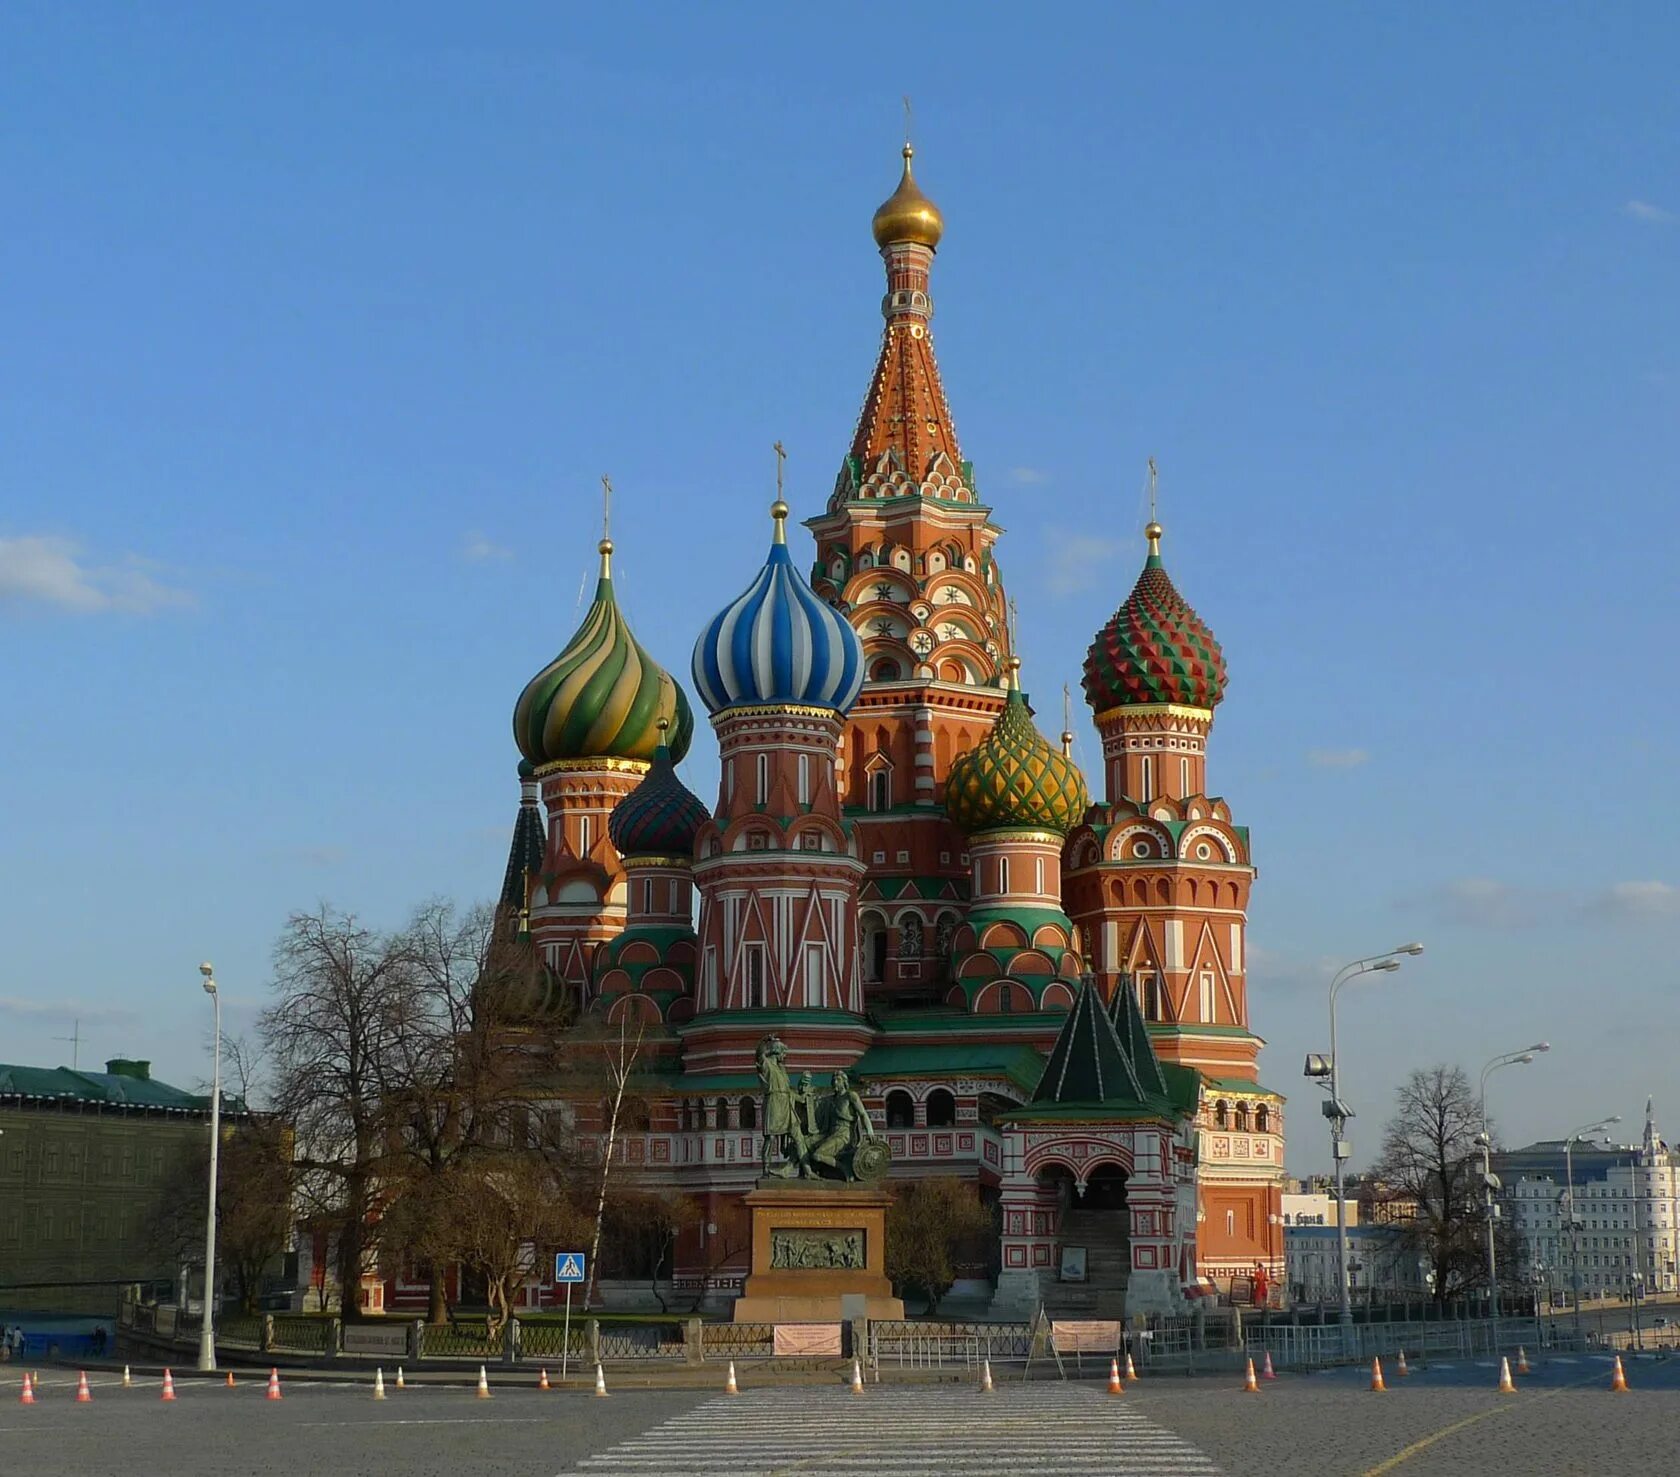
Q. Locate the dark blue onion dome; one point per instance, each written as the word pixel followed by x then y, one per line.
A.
pixel 661 816
pixel 778 644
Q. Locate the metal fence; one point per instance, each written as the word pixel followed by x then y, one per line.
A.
pixel 1316 1346
pixel 458 1341
pixel 918 1345
pixel 737 1340
pixel 546 1340
pixel 642 1341
pixel 303 1335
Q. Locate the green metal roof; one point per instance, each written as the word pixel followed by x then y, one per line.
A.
pixel 1020 1064
pixel 1241 1084
pixel 110 1089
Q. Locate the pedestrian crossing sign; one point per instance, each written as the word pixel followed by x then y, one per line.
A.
pixel 568 1266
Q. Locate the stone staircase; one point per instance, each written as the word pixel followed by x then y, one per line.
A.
pixel 1108 1264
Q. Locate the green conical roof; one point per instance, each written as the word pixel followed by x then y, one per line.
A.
pixel 1091 1066
pixel 1133 1034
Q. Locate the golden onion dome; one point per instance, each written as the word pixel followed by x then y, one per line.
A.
pixel 1012 779
pixel 907 214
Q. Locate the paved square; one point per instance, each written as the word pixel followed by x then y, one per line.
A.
pixel 826 1432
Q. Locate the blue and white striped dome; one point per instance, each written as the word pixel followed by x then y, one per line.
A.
pixel 778 643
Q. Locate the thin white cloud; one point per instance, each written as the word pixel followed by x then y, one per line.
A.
pixel 477 549
pixel 1029 476
pixel 1638 900
pixel 1484 902
pixel 1078 560
pixel 41 569
pixel 55 1010
pixel 1338 758
pixel 1652 215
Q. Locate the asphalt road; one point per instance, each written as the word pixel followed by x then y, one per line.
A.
pixel 1444 1420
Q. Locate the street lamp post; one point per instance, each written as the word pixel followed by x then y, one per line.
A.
pixel 1574 1226
pixel 207 1327
pixel 1338 1111
pixel 1519 1058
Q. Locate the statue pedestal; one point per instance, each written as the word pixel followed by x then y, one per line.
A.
pixel 819 1254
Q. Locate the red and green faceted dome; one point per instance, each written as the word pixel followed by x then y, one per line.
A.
pixel 1155 648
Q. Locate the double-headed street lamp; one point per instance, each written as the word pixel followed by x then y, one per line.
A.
pixel 207 1328
pixel 1490 1185
pixel 1569 1199
pixel 1327 1074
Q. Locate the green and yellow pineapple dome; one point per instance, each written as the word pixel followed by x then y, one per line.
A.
pixel 603 697
pixel 1013 779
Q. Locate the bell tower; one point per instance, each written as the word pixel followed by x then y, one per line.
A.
pixel 904 552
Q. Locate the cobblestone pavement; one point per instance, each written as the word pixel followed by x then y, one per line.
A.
pixel 1443 1420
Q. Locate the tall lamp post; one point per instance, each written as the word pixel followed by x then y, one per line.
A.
pixel 1490 1185
pixel 1569 1196
pixel 207 1327
pixel 1328 1075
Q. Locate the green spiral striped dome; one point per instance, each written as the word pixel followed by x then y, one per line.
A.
pixel 603 696
pixel 1013 778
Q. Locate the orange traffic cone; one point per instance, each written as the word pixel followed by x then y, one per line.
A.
pixel 1114 1385
pixel 1618 1380
pixel 168 1385
pixel 600 1380
pixel 1522 1360
pixel 378 1384
pixel 542 1380
pixel 1376 1376
pixel 83 1394
pixel 273 1384
pixel 28 1395
pixel 128 1379
pixel 1400 1369
pixel 1131 1369
pixel 1251 1386
pixel 857 1376
pixel 400 1384
pixel 1507 1386
pixel 230 1379
pixel 986 1378
pixel 1266 1370
pixel 729 1385
pixel 483 1391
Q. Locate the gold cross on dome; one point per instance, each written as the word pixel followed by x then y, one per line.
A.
pixel 781 462
pixel 606 507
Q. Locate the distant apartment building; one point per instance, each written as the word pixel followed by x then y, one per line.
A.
pixel 84 1161
pixel 1625 1232
pixel 1315 1208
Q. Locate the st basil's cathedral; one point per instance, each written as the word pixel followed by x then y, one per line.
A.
pixel 1040 993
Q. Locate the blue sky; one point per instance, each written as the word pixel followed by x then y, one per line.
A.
pixel 322 322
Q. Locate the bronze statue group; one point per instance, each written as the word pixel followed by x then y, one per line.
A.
pixel 814 1135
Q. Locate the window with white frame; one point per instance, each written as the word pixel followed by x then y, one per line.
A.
pixel 752 958
pixel 1003 876
pixel 804 779
pixel 1207 987
pixel 814 971
pixel 761 768
pixel 1146 778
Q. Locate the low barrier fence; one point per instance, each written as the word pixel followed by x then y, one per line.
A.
pixel 1208 1340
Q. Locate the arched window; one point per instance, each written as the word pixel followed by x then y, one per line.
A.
pixel 1222 1114
pixel 885 670
pixel 880 789
pixel 901 1109
pixel 941 1109
pixel 723 1112
pixel 1242 1117
pixel 1262 1119
pixel 749 1112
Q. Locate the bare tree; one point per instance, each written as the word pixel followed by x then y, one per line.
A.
pixel 1430 1161
pixel 253 1204
pixel 930 1224
pixel 500 1216
pixel 338 986
pixel 642 1229
pixel 619 1050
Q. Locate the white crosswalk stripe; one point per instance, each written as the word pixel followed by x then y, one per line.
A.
pixel 1042 1428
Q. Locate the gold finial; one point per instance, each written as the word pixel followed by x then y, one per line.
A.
pixel 1153 530
pixel 907 215
pixel 605 547
pixel 779 508
pixel 1067 722
pixel 1012 674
